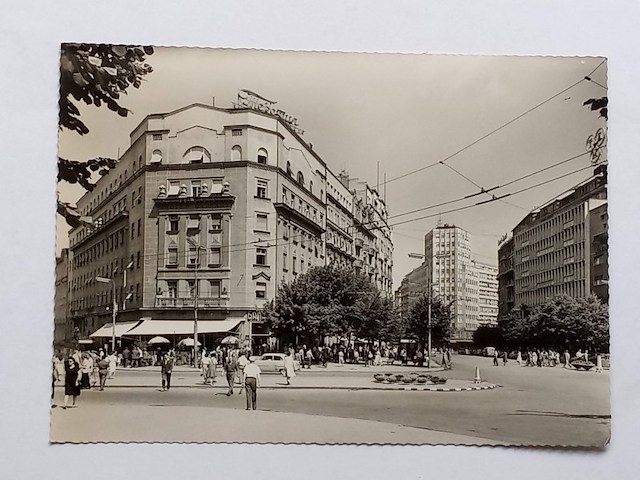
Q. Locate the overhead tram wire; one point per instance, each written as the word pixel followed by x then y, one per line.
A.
pixel 497 129
pixel 494 199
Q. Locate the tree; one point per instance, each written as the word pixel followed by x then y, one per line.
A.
pixel 487 336
pixel 418 323
pixel 600 105
pixel 95 74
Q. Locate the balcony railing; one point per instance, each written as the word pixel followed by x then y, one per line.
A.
pixel 204 302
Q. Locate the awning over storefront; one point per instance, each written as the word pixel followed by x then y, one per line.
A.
pixel 182 327
pixel 121 329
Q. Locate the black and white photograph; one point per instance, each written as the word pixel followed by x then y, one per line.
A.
pixel 264 246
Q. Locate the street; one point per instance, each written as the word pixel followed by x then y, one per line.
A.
pixel 531 406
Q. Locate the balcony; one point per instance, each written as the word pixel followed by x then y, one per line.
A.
pixel 357 263
pixel 187 302
pixel 359 242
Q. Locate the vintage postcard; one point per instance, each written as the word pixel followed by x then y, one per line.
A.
pixel 332 248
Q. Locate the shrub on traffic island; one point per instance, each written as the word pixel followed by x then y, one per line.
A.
pixel 421 379
pixel 408 380
pixel 435 379
pixel 378 377
pixel 399 377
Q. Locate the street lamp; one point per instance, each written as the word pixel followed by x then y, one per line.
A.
pixel 420 256
pixel 114 310
pixel 195 308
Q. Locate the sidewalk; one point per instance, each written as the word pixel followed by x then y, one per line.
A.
pixel 130 423
pixel 305 379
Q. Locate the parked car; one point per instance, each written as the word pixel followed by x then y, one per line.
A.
pixel 488 351
pixel 273 363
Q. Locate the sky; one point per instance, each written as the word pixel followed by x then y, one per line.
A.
pixel 399 111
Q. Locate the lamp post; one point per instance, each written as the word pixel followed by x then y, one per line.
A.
pixel 420 256
pixel 114 309
pixel 195 308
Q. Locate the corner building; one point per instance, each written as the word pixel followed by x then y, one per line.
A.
pixel 222 205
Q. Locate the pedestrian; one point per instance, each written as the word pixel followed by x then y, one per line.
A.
pixel 113 363
pixel 504 358
pixel 378 359
pixel 204 373
pixel 242 363
pixel 356 356
pixel 419 357
pixel 341 357
pixel 251 380
pixel 495 358
pixel 86 369
pixel 58 368
pixel 403 356
pixel 230 367
pixel 71 381
pixel 126 356
pixel 289 368
pixel 519 358
pixel 103 372
pixel 309 358
pixel 567 359
pixel 166 369
pixel 213 367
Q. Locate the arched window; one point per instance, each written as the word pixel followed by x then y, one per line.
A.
pixel 236 154
pixel 289 168
pixel 311 186
pixel 156 156
pixel 262 156
pixel 196 155
pixel 300 178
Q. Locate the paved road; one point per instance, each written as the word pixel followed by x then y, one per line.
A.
pixel 534 406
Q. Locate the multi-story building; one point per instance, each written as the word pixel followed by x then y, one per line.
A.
pixel 61 331
pixel 372 238
pixel 487 276
pixel 559 247
pixel 468 286
pixel 506 282
pixel 209 208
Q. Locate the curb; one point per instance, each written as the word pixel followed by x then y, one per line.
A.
pixel 321 387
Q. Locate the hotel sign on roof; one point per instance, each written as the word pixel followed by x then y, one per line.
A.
pixel 253 101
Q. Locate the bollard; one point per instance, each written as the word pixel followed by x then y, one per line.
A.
pixel 599 364
pixel 477 378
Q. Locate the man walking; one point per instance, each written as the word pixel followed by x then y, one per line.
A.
pixel 242 363
pixel 230 367
pixel 166 369
pixel 251 380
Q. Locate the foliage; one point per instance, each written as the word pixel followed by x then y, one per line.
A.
pixel 487 336
pixel 561 323
pixel 600 105
pixel 329 301
pixel 418 324
pixel 96 74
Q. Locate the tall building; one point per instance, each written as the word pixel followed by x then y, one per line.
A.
pixel 487 276
pixel 506 281
pixel 211 208
pixel 61 330
pixel 560 248
pixel 469 286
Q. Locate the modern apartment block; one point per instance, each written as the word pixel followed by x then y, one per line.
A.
pixel 212 205
pixel 559 248
pixel 506 281
pixel 469 286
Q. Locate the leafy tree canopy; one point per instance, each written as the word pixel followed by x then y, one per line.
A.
pixel 418 321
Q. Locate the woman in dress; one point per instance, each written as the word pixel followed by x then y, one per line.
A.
pixel 113 363
pixel 86 369
pixel 289 368
pixel 71 381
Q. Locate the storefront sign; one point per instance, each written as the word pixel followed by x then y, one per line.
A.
pixel 253 101
pixel 255 316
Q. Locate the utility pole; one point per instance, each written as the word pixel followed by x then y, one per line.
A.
pixel 429 324
pixel 195 311
pixel 114 308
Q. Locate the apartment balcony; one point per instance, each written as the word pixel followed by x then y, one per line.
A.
pixel 359 242
pixel 187 302
pixel 358 263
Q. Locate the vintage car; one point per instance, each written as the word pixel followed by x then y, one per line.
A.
pixel 273 363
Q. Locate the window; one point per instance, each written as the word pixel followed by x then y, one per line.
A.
pixel 261 191
pixel 310 186
pixel 139 197
pixel 172 289
pixel 133 230
pixel 216 223
pixel 214 256
pixel 295 265
pixel 262 222
pixel 139 226
pixel 301 178
pixel 174 222
pixel 236 154
pixel 236 132
pixel 138 260
pixel 261 256
pixel 196 155
pixel 261 290
pixel 597 260
pixel 284 261
pixel 191 285
pixel 193 252
pixel 157 136
pixel 289 172
pixel 172 255
pixel 196 188
pixel 262 156
pixel 285 231
pixel 214 288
